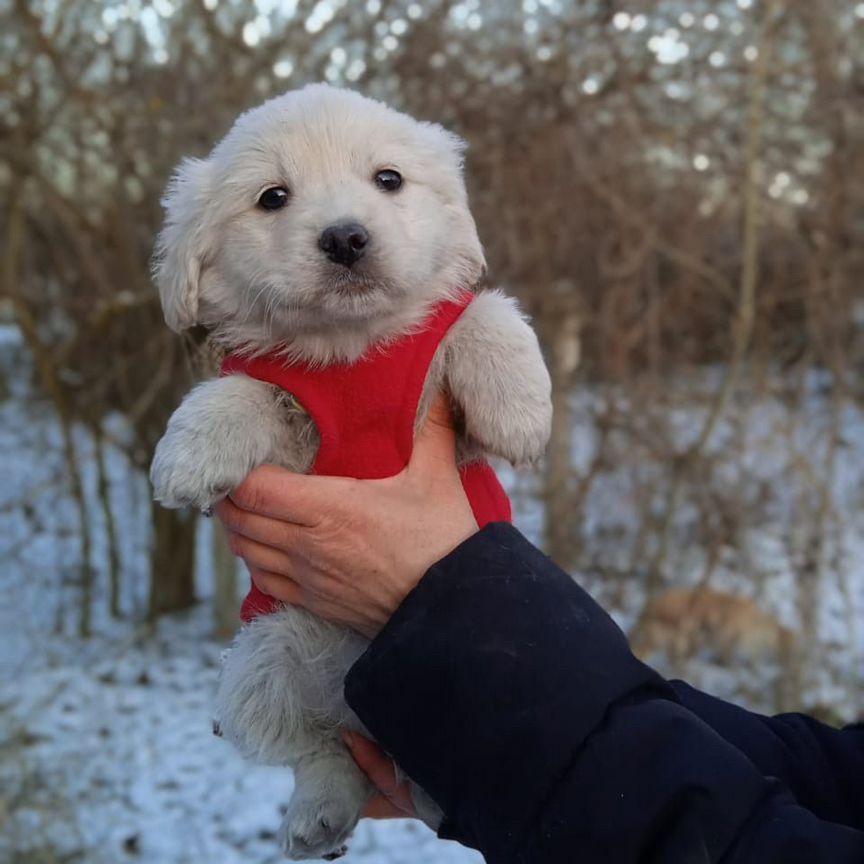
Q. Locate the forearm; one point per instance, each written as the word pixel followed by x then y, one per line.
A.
pixel 822 767
pixel 514 700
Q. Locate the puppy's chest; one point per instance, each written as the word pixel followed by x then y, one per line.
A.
pixel 359 422
pixel 365 413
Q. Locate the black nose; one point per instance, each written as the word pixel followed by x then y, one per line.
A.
pixel 344 243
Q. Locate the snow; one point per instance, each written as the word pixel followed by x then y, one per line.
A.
pixel 106 745
pixel 112 757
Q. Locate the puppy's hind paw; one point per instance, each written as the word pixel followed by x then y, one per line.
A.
pixel 316 830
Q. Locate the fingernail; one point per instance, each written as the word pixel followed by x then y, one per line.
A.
pixel 347 737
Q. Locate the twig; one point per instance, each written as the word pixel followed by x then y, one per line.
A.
pixel 742 328
pixel 51 383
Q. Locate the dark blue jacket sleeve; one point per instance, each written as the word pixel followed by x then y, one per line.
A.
pixel 514 700
pixel 821 766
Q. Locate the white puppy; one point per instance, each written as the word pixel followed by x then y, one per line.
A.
pixel 323 224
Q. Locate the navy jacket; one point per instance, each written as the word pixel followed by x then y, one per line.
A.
pixel 505 691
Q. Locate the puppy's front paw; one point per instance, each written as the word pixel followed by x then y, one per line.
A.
pixel 221 431
pixel 517 432
pixel 497 376
pixel 190 469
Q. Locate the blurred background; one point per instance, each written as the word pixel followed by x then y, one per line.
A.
pixel 674 190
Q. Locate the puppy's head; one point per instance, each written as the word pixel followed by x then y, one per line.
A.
pixel 320 213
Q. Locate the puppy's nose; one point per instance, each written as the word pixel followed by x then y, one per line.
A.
pixel 344 243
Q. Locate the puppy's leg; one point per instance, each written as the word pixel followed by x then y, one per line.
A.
pixel 330 793
pixel 280 703
pixel 221 431
pixel 496 375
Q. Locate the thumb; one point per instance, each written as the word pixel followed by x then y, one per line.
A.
pixel 435 445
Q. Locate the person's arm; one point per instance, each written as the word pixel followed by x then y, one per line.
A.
pixel 515 702
pixel 507 692
pixel 822 767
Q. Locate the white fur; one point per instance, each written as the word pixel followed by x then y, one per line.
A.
pixel 221 431
pixel 496 376
pixel 258 278
pixel 259 281
pixel 280 703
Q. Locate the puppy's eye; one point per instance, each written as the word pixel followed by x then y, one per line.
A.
pixel 388 180
pixel 273 198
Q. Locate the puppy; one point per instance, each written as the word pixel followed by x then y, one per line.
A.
pixel 326 244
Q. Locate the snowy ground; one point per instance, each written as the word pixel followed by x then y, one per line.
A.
pixel 106 746
pixel 107 755
pixel 106 751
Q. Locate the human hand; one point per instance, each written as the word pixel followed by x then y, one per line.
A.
pixel 351 550
pixel 393 797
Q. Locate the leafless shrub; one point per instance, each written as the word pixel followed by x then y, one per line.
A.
pixel 679 186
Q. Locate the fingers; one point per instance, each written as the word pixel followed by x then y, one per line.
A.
pixel 280 494
pixel 259 556
pixel 394 802
pixel 270 567
pixel 380 807
pixel 276 585
pixel 263 529
pixel 440 411
pixel 373 762
pixel 436 441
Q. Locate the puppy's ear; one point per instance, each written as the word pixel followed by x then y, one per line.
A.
pixel 474 261
pixel 183 244
pixel 469 249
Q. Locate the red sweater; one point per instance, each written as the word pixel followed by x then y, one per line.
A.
pixel 365 415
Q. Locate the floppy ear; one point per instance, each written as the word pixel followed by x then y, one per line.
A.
pixel 471 249
pixel 475 257
pixel 471 252
pixel 183 243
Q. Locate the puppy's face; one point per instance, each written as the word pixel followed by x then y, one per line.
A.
pixel 320 213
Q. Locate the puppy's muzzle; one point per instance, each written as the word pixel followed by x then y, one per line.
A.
pixel 344 243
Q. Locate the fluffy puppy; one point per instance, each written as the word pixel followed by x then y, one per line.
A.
pixel 324 226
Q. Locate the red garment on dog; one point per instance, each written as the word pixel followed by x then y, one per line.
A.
pixel 365 416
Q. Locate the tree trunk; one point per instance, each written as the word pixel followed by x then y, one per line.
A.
pixel 115 567
pixel 172 561
pixel 560 529
pixel 225 607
